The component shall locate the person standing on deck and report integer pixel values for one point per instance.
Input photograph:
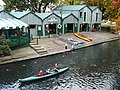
(66, 46)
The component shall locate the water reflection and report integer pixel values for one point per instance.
(92, 68)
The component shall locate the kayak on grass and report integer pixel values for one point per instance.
(34, 78)
(83, 37)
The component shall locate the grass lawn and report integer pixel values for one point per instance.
(108, 25)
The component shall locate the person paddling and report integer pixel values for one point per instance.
(56, 68)
(41, 73)
(48, 71)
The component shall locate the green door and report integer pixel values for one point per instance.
(81, 27)
(39, 29)
(65, 28)
(59, 29)
(75, 27)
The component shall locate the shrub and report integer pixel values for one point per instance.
(4, 47)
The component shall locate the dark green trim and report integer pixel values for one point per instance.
(40, 32)
(47, 17)
(75, 28)
(59, 31)
(93, 9)
(37, 16)
(70, 15)
(26, 15)
(18, 29)
(29, 33)
(85, 16)
(89, 8)
(81, 8)
(50, 15)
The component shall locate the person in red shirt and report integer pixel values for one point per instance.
(41, 73)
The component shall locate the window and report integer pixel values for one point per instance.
(39, 28)
(32, 26)
(80, 14)
(96, 17)
(84, 16)
(13, 32)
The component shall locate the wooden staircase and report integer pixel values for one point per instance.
(40, 50)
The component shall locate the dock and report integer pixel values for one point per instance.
(45, 46)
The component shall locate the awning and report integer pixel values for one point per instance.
(11, 23)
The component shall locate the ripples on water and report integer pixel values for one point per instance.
(92, 68)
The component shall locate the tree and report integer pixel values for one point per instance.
(4, 47)
(109, 8)
(113, 13)
(102, 4)
(33, 5)
(71, 2)
(115, 8)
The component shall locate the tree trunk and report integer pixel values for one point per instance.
(45, 7)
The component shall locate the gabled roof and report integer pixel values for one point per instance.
(19, 14)
(70, 7)
(63, 15)
(66, 15)
(43, 15)
(93, 7)
(2, 11)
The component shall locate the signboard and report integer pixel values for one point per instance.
(51, 20)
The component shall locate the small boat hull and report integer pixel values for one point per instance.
(83, 37)
(35, 78)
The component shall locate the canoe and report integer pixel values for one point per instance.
(83, 37)
(74, 41)
(35, 78)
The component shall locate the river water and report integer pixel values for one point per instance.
(92, 68)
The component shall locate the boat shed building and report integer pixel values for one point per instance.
(82, 12)
(69, 23)
(50, 22)
(31, 19)
(63, 19)
(57, 24)
(96, 18)
(16, 31)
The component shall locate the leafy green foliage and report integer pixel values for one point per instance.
(71, 2)
(4, 47)
(34, 5)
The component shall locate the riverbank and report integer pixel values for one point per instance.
(45, 46)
